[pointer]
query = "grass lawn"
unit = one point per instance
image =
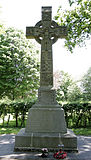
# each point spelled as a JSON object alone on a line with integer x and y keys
{"x": 14, "y": 130}
{"x": 82, "y": 131}
{"x": 11, "y": 129}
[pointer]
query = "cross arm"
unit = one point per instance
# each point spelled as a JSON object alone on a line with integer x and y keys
{"x": 33, "y": 32}
{"x": 60, "y": 31}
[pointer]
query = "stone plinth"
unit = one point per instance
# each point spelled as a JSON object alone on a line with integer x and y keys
{"x": 46, "y": 119}
{"x": 46, "y": 127}
{"x": 37, "y": 141}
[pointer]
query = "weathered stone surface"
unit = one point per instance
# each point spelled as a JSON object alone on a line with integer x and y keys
{"x": 46, "y": 32}
{"x": 37, "y": 141}
{"x": 46, "y": 119}
{"x": 46, "y": 96}
{"x": 46, "y": 126}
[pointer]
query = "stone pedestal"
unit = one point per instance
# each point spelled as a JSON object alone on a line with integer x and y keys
{"x": 37, "y": 141}
{"x": 46, "y": 119}
{"x": 46, "y": 127}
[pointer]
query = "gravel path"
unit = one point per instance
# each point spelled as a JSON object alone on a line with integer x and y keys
{"x": 7, "y": 150}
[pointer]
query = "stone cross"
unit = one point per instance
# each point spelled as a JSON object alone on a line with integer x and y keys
{"x": 46, "y": 126}
{"x": 46, "y": 32}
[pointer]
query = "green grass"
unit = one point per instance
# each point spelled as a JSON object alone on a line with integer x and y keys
{"x": 15, "y": 130}
{"x": 82, "y": 131}
{"x": 11, "y": 129}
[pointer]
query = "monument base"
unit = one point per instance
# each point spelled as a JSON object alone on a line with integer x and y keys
{"x": 45, "y": 128}
{"x": 37, "y": 141}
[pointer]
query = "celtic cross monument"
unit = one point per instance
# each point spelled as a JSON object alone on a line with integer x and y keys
{"x": 46, "y": 126}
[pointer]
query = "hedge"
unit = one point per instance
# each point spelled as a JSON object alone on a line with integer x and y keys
{"x": 16, "y": 108}
{"x": 77, "y": 114}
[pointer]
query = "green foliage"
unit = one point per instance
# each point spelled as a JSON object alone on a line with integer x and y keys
{"x": 65, "y": 82}
{"x": 71, "y": 2}
{"x": 74, "y": 92}
{"x": 4, "y": 106}
{"x": 68, "y": 89}
{"x": 18, "y": 108}
{"x": 78, "y": 22}
{"x": 9, "y": 130}
{"x": 82, "y": 131}
{"x": 18, "y": 66}
{"x": 2, "y": 29}
{"x": 86, "y": 85}
{"x": 78, "y": 114}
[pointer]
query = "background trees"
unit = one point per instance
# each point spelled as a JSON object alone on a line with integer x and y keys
{"x": 86, "y": 85}
{"x": 19, "y": 67}
{"x": 75, "y": 99}
{"x": 78, "y": 22}
{"x": 68, "y": 89}
{"x": 19, "y": 74}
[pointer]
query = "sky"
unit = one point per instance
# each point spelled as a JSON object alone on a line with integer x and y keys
{"x": 22, "y": 13}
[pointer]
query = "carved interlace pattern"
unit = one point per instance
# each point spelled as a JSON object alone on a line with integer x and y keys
{"x": 46, "y": 32}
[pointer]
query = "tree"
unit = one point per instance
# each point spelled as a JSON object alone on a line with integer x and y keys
{"x": 1, "y": 29}
{"x": 78, "y": 22}
{"x": 74, "y": 92}
{"x": 86, "y": 85}
{"x": 65, "y": 81}
{"x": 18, "y": 65}
{"x": 68, "y": 89}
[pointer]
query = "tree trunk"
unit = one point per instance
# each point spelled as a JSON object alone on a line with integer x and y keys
{"x": 3, "y": 120}
{"x": 8, "y": 120}
{"x": 16, "y": 117}
{"x": 23, "y": 119}
{"x": 79, "y": 118}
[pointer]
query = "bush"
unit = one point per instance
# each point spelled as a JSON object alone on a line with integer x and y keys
{"x": 77, "y": 114}
{"x": 17, "y": 108}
